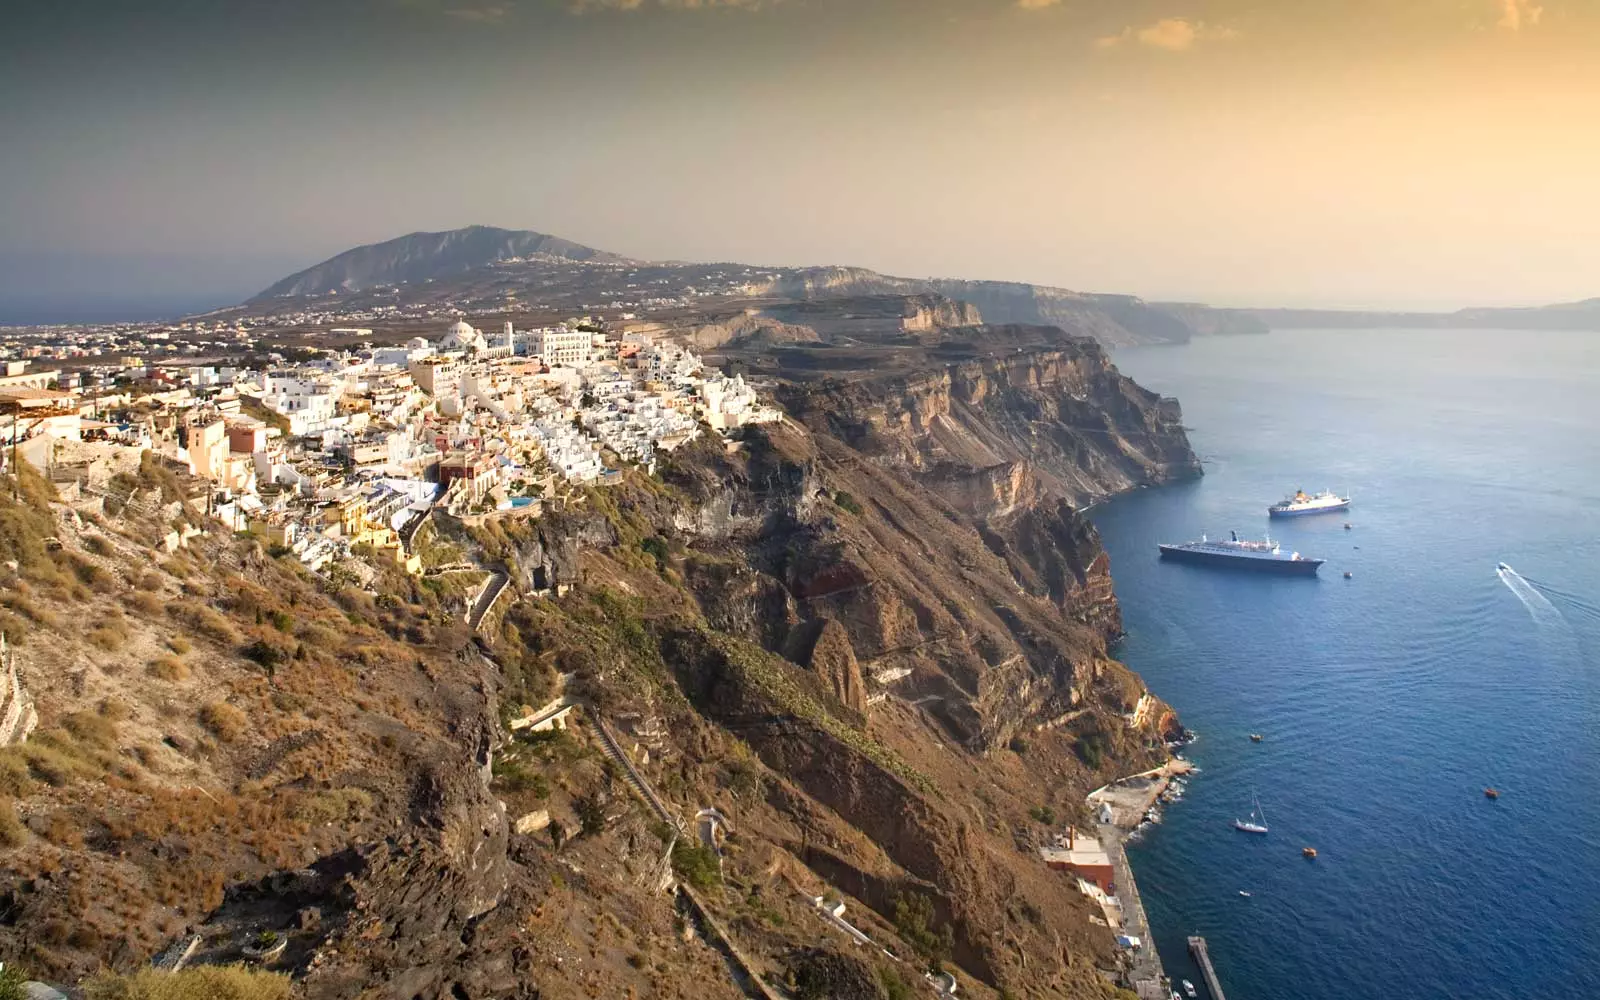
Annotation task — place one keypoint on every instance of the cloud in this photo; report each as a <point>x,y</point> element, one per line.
<point>585,6</point>
<point>1173,34</point>
<point>1514,14</point>
<point>488,13</point>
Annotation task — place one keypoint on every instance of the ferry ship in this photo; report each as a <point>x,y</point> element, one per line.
<point>1301,502</point>
<point>1234,553</point>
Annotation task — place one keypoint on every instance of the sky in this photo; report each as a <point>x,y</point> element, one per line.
<point>1356,153</point>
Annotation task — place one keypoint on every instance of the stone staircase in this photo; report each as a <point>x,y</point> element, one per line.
<point>612,749</point>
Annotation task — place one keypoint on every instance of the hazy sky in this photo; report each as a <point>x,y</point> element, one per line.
<point>1333,152</point>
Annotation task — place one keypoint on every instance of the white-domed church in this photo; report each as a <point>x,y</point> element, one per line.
<point>462,337</point>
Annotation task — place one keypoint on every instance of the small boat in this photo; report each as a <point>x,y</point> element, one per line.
<point>1348,574</point>
<point>1257,823</point>
<point>1246,895</point>
<point>1309,852</point>
<point>1491,793</point>
<point>1347,526</point>
<point>1188,990</point>
<point>1255,737</point>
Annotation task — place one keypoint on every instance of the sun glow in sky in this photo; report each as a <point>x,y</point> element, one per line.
<point>1386,153</point>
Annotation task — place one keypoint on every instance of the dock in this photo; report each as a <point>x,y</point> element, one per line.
<point>1197,948</point>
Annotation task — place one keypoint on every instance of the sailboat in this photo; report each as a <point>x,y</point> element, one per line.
<point>1257,823</point>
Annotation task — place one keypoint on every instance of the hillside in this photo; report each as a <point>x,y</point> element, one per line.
<point>427,257</point>
<point>861,655</point>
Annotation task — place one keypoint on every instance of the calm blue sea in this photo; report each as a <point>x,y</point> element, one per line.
<point>1389,700</point>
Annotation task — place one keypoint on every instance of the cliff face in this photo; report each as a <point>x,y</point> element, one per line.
<point>871,643</point>
<point>1055,414</point>
<point>1114,320</point>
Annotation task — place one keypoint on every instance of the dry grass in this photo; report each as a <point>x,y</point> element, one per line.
<point>202,982</point>
<point>145,603</point>
<point>168,668</point>
<point>224,721</point>
<point>207,621</point>
<point>12,832</point>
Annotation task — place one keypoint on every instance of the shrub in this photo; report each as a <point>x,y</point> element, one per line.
<point>108,638</point>
<point>145,603</point>
<point>98,545</point>
<point>656,547</point>
<point>847,502</point>
<point>207,621</point>
<point>1091,749</point>
<point>15,778</point>
<point>90,728</point>
<point>178,644</point>
<point>11,983</point>
<point>200,982</point>
<point>266,654</point>
<point>168,668</point>
<point>696,864</point>
<point>12,832</point>
<point>894,987</point>
<point>1044,814</point>
<point>591,815</point>
<point>224,721</point>
<point>914,920</point>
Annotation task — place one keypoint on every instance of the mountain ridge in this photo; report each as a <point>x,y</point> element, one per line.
<point>484,266</point>
<point>427,256</point>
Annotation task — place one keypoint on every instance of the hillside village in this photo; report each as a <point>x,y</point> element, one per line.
<point>352,448</point>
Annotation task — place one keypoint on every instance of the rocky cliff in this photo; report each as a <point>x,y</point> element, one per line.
<point>1114,320</point>
<point>861,655</point>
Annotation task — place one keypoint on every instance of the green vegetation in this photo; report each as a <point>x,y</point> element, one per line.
<point>1091,749</point>
<point>514,776</point>
<point>848,503</point>
<point>894,987</point>
<point>696,864</point>
<point>201,982</point>
<point>656,547</point>
<point>11,983</point>
<point>1043,814</point>
<point>914,921</point>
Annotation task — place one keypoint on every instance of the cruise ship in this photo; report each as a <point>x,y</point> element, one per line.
<point>1266,556</point>
<point>1301,502</point>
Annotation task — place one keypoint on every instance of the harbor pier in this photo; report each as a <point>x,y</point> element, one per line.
<point>1197,948</point>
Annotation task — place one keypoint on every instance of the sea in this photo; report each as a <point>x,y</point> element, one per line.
<point>1390,700</point>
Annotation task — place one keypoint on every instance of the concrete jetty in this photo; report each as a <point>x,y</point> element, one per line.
<point>1197,948</point>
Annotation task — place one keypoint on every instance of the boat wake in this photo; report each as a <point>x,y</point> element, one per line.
<point>1554,630</point>
<point>1566,599</point>
<point>1538,605</point>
